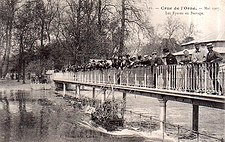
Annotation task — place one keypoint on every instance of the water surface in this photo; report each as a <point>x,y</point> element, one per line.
<point>39,116</point>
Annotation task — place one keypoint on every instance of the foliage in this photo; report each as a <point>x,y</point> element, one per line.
<point>170,35</point>
<point>49,34</point>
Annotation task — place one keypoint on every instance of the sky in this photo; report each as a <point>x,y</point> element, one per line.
<point>207,15</point>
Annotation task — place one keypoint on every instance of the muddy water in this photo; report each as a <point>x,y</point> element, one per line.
<point>41,116</point>
<point>38,116</point>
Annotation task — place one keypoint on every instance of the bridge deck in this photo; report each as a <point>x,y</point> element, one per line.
<point>214,101</point>
<point>201,84</point>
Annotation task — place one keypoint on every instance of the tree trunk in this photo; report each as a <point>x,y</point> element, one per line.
<point>99,16</point>
<point>1,66</point>
<point>9,26</point>
<point>6,54</point>
<point>121,49</point>
<point>20,58</point>
<point>23,61</point>
<point>24,71</point>
<point>87,38</point>
<point>8,50</point>
<point>1,46</point>
<point>78,30</point>
<point>42,44</point>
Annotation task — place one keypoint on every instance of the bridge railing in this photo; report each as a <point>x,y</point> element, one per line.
<point>200,78</point>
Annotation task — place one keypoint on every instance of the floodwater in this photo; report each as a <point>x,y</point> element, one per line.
<point>41,116</point>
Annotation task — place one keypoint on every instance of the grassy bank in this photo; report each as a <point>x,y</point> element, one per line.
<point>14,84</point>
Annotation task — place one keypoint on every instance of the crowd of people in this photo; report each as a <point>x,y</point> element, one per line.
<point>194,60</point>
<point>198,57</point>
<point>119,62</point>
<point>127,61</point>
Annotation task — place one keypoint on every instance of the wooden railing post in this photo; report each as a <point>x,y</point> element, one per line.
<point>103,76</point>
<point>135,78</point>
<point>114,76</point>
<point>145,77</point>
<point>205,78</point>
<point>99,77</point>
<point>156,73</point>
<point>127,77</point>
<point>185,78</point>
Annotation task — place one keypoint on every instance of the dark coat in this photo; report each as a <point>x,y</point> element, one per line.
<point>213,57</point>
<point>157,61</point>
<point>171,59</point>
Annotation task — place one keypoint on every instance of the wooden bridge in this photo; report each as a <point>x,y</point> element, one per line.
<point>200,85</point>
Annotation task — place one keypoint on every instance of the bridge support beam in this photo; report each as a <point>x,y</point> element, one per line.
<point>195,117</point>
<point>64,89</point>
<point>124,99</point>
<point>104,93</point>
<point>162,104</point>
<point>78,90</point>
<point>93,96</point>
<point>124,103</point>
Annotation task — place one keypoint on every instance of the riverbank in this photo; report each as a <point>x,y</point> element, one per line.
<point>15,85</point>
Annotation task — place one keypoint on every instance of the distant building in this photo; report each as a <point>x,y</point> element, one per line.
<point>218,41</point>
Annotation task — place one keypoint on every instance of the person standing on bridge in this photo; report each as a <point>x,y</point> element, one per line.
<point>212,59</point>
<point>171,61</point>
<point>198,57</point>
<point>186,58</point>
<point>186,71</point>
<point>155,61</point>
<point>170,58</point>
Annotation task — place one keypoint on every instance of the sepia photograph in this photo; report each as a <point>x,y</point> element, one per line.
<point>112,71</point>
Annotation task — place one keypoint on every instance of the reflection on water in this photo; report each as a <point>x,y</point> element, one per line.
<point>30,117</point>
<point>6,121</point>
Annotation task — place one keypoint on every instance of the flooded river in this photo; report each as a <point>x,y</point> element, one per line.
<point>41,116</point>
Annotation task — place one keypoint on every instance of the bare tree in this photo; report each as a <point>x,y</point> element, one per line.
<point>171,30</point>
<point>171,27</point>
<point>176,32</point>
<point>80,29</point>
<point>188,32</point>
<point>26,33</point>
<point>7,14</point>
<point>134,24</point>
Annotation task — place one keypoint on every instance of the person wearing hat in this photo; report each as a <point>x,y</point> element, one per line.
<point>170,58</point>
<point>199,55</point>
<point>123,62</point>
<point>186,58</point>
<point>132,61</point>
<point>155,61</point>
<point>146,61</point>
<point>171,72</point>
<point>187,69</point>
<point>213,58</point>
<point>138,61</point>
